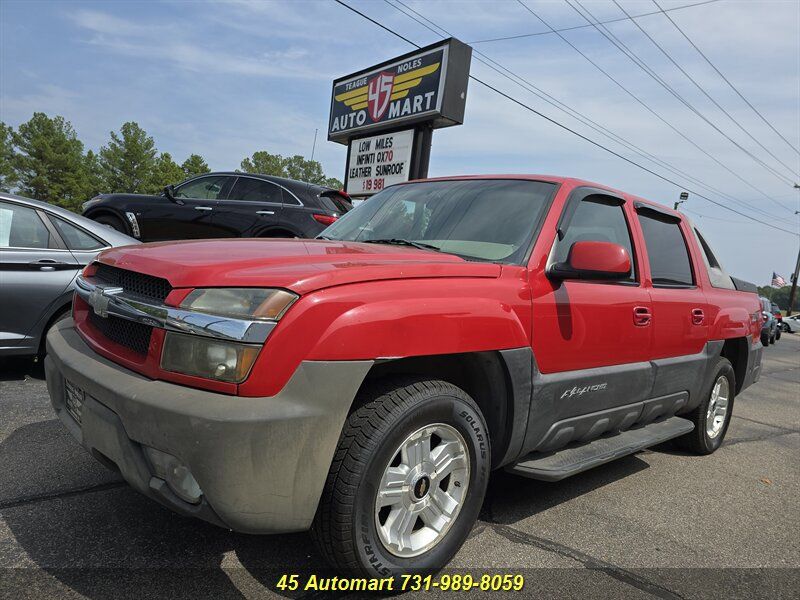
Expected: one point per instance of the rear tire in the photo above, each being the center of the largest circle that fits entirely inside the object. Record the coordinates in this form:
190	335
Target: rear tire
712	417
772	339
778	332
407	480
112	222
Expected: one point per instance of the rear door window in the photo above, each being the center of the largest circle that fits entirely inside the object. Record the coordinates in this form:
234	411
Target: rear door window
256	190
670	265
76	239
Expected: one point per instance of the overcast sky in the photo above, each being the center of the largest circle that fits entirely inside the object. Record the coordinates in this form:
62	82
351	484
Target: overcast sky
227	79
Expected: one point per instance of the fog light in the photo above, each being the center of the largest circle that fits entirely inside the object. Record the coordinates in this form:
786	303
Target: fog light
177	475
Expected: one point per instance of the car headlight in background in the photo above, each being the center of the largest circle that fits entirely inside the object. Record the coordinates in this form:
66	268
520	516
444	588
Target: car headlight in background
206	357
249	303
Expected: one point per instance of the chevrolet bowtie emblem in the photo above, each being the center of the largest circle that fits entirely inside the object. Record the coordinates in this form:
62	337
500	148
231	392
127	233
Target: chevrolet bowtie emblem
100	297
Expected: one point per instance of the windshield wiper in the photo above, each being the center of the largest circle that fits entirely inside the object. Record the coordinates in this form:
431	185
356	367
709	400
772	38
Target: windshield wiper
402	242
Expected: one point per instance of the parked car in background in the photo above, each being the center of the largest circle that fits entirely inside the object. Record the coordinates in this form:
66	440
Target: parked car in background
42	250
791	324
223	205
776	312
769	327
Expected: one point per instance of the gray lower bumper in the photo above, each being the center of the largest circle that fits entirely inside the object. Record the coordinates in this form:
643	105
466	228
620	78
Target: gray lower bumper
261	462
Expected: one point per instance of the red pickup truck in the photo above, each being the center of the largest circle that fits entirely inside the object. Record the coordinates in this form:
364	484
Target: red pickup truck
364	384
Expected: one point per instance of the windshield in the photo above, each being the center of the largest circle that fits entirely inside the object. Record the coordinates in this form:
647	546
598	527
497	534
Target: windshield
480	219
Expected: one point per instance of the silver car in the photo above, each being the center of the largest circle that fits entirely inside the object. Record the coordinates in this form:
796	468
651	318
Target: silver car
791	324
42	250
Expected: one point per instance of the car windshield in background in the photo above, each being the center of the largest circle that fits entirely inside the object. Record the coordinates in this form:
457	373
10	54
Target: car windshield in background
479	219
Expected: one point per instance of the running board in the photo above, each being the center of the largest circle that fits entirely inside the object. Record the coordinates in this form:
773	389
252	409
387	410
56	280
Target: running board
558	464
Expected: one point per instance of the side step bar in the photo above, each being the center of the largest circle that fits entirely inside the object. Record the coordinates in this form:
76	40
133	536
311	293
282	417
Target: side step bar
558	464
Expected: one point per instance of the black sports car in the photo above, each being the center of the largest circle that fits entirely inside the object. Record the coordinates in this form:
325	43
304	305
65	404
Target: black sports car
217	205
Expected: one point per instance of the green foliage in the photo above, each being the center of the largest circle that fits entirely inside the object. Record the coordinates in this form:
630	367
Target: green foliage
264	163
166	171
93	182
129	160
194	165
293	167
8	176
48	161
780	296
44	159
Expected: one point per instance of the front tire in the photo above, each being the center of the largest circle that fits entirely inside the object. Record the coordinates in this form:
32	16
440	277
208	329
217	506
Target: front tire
407	480
712	418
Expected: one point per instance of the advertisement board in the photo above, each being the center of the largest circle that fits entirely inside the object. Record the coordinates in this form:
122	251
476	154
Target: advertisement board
379	161
427	85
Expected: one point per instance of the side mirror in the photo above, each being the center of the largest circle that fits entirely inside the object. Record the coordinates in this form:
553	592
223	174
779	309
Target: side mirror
593	260
169	192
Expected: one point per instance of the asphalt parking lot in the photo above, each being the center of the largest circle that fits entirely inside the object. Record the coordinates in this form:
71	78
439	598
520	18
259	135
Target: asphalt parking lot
660	523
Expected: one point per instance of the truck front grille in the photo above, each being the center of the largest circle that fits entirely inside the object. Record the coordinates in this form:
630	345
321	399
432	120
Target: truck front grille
134	336
147	286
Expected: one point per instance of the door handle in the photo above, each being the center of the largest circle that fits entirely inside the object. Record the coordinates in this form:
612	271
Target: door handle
642	316
698	316
47	264
203	208
265	212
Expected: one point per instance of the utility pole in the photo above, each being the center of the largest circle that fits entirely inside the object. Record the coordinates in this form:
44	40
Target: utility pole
793	291
684	197
314	146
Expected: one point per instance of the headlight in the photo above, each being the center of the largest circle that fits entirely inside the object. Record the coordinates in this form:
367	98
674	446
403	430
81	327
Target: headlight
208	357
248	303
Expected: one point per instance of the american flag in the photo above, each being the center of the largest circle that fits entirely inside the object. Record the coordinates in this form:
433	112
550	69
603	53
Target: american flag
777	280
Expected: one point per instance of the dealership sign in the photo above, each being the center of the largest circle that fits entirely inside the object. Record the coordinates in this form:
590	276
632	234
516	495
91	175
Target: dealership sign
379	161
428	85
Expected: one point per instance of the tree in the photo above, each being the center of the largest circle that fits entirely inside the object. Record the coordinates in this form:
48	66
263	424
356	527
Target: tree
93	182
165	172
264	163
129	160
8	177
332	182
779	296
48	162
293	167
297	167
194	165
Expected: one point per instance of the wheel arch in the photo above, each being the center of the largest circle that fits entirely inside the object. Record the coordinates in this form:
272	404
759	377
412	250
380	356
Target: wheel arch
736	351
277	232
109	212
62	307
498	381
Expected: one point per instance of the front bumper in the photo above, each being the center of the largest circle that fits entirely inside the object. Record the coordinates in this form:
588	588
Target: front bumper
260	462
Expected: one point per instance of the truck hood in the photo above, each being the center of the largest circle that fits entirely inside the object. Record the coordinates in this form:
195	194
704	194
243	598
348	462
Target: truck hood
298	265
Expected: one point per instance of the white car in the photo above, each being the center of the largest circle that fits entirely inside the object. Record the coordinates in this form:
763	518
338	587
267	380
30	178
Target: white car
791	324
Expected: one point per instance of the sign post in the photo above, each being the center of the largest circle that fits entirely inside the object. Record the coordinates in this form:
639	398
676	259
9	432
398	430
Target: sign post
386	114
